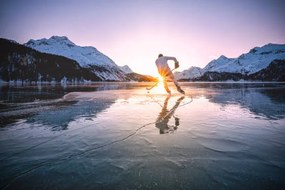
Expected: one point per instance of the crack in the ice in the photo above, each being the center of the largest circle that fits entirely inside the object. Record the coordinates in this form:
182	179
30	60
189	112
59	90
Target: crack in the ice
46	163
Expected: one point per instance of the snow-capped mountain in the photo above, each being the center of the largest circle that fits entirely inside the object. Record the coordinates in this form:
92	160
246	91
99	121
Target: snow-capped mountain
218	64
249	63
126	69
25	65
87	57
256	59
192	72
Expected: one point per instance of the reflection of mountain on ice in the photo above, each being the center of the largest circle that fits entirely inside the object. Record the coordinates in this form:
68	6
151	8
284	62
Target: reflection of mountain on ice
262	101
60	117
259	101
58	113
133	102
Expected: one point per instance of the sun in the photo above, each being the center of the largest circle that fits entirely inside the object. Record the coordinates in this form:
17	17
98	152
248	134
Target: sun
160	78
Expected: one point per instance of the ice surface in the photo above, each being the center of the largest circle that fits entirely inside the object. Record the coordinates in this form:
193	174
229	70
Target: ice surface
118	136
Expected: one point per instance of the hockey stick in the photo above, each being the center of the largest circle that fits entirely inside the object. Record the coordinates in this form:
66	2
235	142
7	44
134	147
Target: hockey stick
153	85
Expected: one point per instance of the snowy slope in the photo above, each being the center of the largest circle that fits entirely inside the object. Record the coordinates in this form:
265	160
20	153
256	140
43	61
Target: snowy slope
255	60
192	72
126	69
27	65
220	64
87	57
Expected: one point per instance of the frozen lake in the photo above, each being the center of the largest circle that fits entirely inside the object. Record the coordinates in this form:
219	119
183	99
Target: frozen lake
118	136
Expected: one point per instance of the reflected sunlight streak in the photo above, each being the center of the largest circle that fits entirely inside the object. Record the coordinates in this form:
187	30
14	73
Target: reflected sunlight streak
159	89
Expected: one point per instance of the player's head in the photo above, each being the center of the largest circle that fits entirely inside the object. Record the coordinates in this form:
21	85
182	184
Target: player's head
160	55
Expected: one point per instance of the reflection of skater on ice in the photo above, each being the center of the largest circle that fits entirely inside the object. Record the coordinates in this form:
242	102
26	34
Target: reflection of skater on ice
165	115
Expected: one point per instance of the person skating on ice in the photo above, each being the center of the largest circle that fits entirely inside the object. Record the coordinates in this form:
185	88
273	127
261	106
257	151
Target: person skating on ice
166	73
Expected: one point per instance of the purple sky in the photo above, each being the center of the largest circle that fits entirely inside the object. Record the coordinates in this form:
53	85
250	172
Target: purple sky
133	32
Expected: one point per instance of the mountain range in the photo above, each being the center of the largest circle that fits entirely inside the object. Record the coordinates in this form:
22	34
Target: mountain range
60	60
87	57
23	64
247	66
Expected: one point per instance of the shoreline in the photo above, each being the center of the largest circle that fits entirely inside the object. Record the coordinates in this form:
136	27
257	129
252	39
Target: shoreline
20	83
